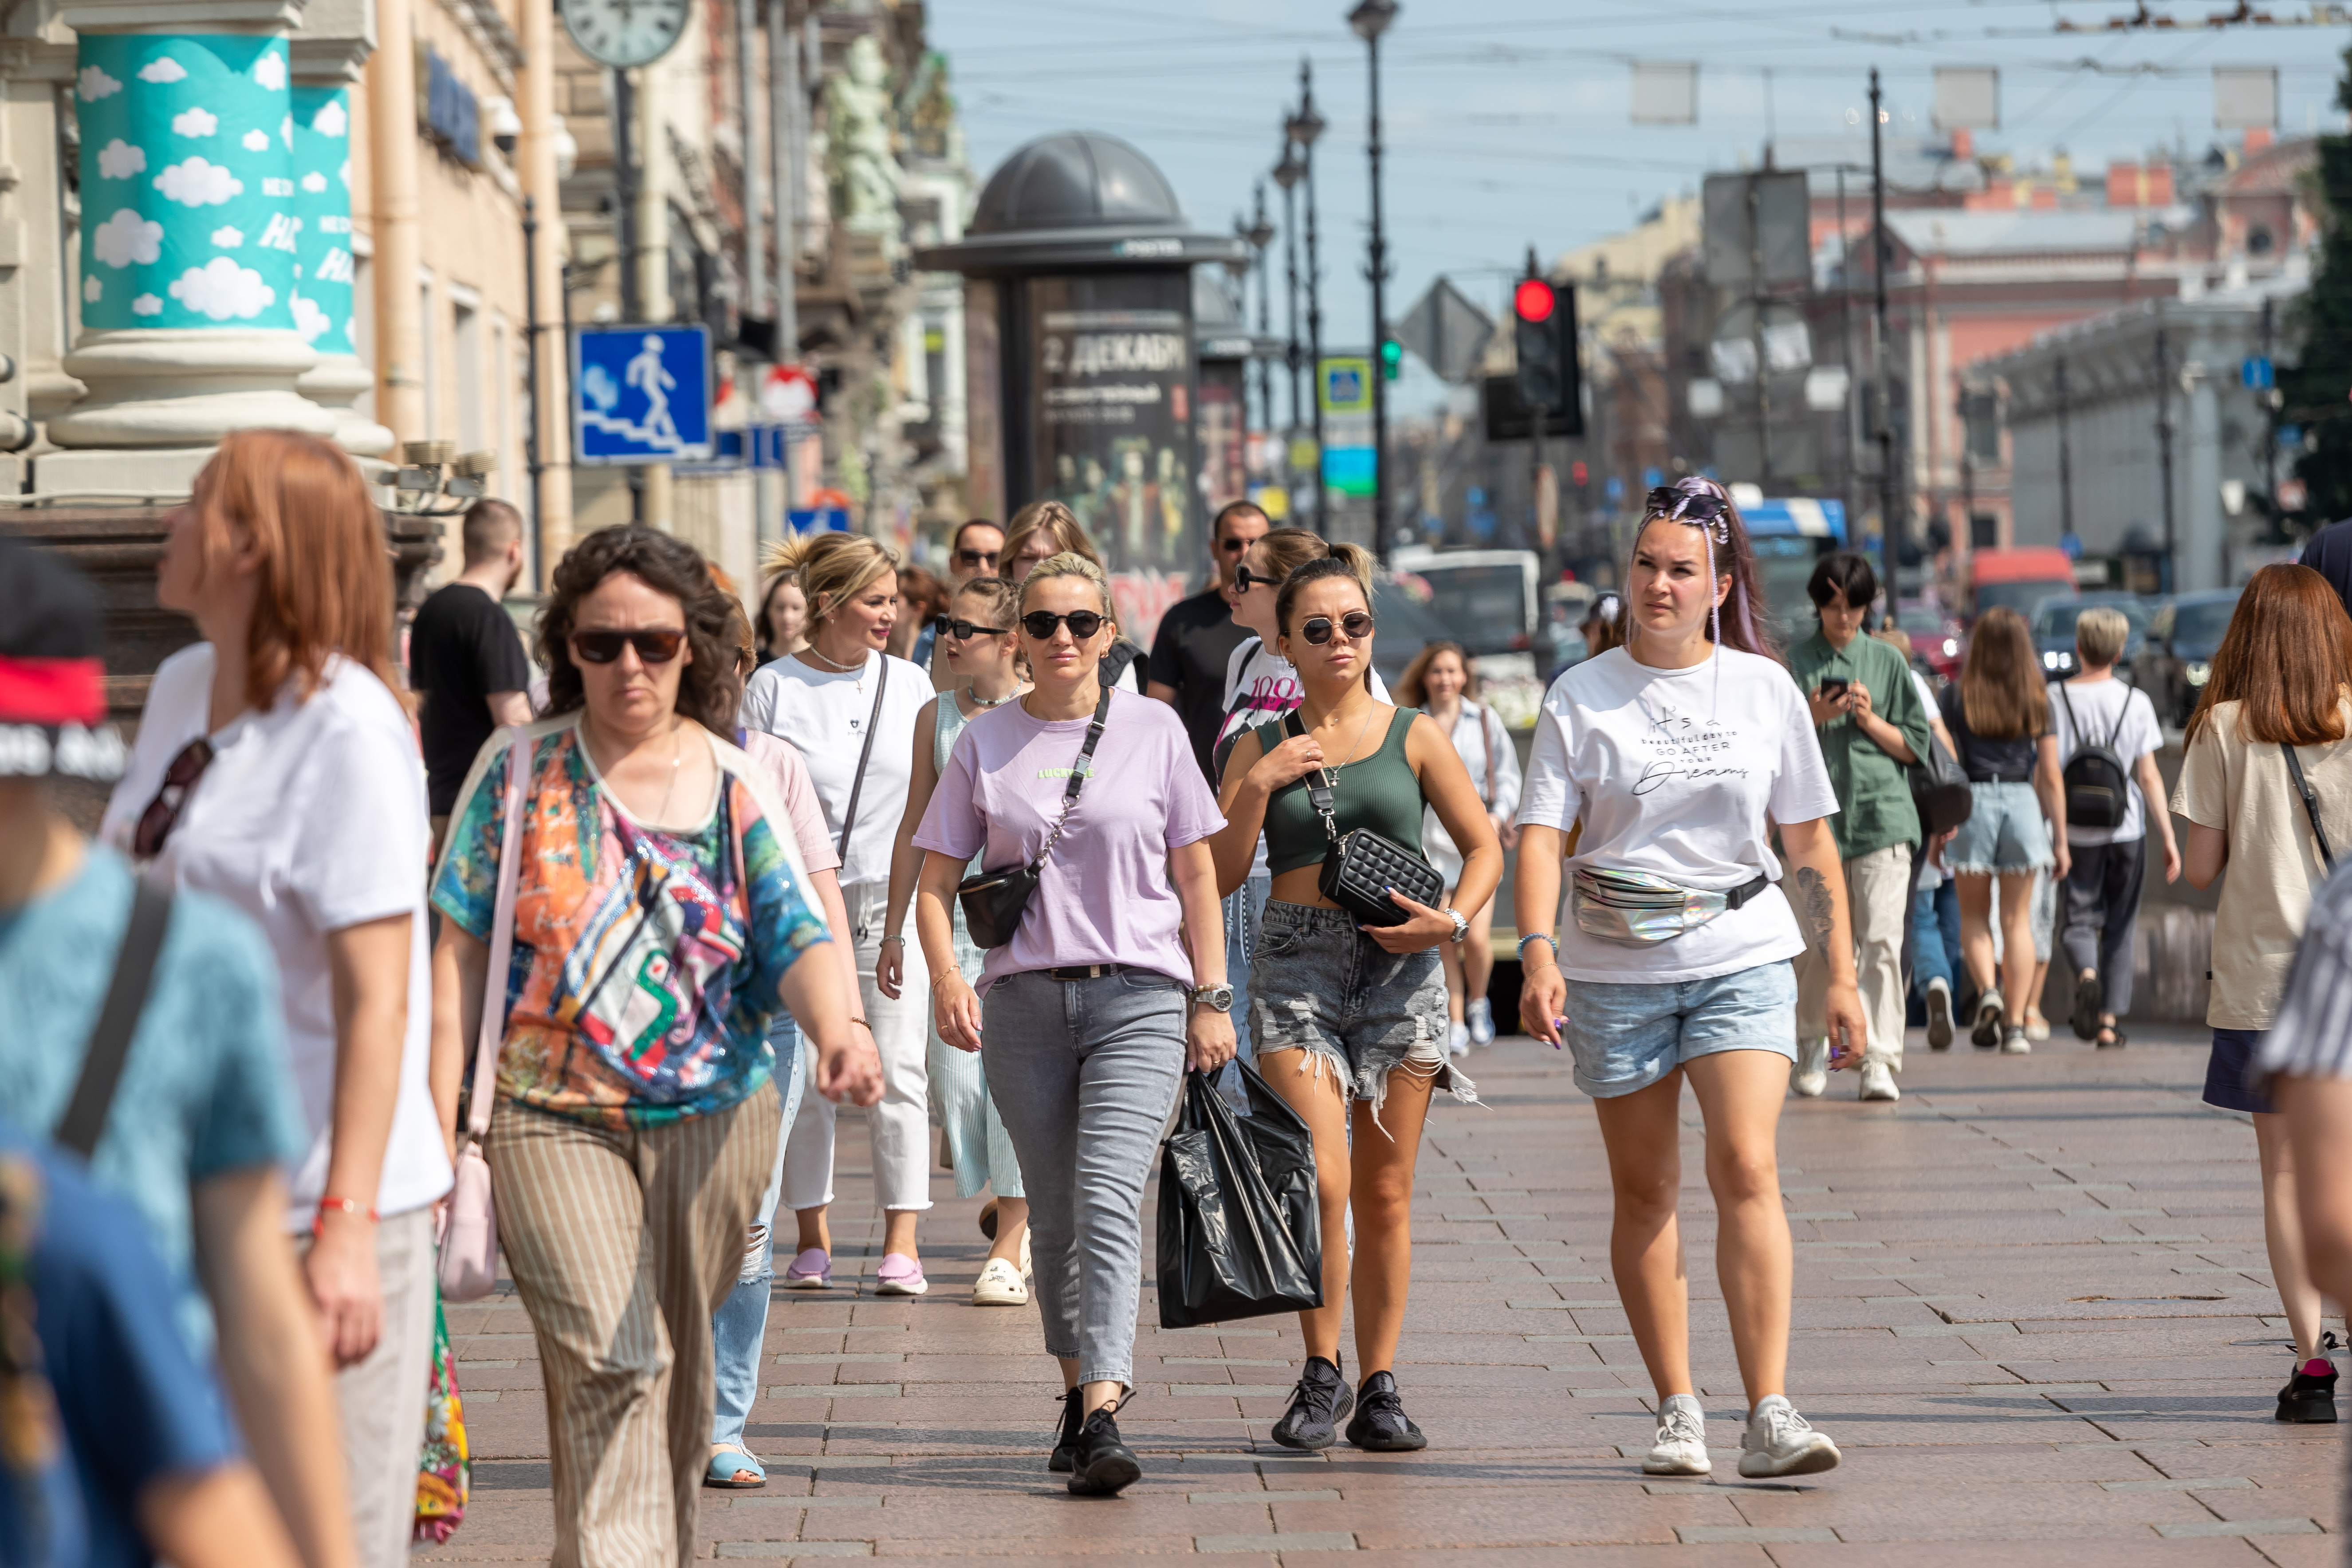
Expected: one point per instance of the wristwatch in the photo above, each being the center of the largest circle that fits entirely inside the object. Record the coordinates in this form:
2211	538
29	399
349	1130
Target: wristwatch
1461	924
1217	998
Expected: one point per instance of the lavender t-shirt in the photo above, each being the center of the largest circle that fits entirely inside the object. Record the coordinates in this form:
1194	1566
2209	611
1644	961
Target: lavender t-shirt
1104	895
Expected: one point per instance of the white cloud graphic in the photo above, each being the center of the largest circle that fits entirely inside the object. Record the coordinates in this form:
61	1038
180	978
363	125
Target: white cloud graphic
286	132
91	289
332	120
195	122
227	238
224	290
146	305
94	84
314	182
163	68
309	320
119	160
344	173
269	70
196	183
126	237
257	141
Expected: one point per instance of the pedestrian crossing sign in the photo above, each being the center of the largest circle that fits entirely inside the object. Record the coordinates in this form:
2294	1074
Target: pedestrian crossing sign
642	394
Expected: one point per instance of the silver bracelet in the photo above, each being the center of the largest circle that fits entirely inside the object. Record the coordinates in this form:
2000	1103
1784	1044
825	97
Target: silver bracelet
1542	936
899	939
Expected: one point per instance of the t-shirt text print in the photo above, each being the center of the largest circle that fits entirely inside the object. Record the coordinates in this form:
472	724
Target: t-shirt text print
1692	747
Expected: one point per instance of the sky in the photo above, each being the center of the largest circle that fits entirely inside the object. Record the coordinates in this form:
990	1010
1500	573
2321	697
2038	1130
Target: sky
1508	123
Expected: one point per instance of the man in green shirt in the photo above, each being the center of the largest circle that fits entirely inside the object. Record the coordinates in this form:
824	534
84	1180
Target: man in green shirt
1867	714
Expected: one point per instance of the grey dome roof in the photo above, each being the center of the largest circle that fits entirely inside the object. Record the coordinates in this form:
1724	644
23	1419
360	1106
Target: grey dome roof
1075	179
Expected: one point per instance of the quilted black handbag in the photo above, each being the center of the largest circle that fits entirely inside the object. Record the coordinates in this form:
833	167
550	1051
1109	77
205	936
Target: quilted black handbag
994	902
1361	867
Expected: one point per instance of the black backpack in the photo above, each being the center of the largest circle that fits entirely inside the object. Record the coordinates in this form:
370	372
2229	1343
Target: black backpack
2098	785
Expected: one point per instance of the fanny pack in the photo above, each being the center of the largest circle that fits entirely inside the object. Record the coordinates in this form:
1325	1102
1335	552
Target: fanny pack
1638	908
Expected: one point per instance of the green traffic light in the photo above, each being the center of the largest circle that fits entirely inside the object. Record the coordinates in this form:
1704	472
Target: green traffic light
1391	359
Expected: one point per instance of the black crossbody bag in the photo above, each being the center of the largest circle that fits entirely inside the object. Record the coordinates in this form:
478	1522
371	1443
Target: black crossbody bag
994	902
1359	868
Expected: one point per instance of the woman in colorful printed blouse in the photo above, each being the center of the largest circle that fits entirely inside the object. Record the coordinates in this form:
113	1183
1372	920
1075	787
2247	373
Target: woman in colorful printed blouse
659	919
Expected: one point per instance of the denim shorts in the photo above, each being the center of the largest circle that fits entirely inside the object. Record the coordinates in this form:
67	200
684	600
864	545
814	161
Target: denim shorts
1320	984
2004	832
1626	1037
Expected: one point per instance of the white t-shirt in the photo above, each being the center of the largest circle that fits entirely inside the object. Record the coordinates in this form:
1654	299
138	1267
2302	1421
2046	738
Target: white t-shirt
1932	874
1674	772
1261	685
822	716
2098	704
312	818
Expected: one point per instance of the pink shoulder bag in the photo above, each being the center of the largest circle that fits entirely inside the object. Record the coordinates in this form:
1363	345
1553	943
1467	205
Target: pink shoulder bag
468	1264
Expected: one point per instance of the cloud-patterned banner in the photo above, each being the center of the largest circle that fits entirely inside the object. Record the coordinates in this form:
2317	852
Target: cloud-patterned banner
184	156
322	201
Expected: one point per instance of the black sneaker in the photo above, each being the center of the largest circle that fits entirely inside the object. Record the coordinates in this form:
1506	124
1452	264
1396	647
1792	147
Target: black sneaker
1986	1035
1066	1442
1101	1464
1316	1405
2087	996
2309	1397
1380	1425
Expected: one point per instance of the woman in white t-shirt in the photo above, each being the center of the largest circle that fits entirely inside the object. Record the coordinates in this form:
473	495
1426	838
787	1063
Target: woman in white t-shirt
2109	863
276	768
1676	756
849	710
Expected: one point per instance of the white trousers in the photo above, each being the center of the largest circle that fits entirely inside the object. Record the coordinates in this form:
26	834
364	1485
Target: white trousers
901	1122
1877	892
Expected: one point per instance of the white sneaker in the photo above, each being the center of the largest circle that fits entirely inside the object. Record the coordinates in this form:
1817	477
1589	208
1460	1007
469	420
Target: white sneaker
1878	1079
1000	1285
1778	1442
2037	1027
1681	1447
1809	1074
1939	1015
1457	1041
2014	1041
1481	1019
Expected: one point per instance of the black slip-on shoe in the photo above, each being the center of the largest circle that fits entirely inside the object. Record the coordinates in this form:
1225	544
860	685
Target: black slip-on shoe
1380	1425
1316	1407
1986	1035
1101	1464
2309	1397
1066	1442
2087	996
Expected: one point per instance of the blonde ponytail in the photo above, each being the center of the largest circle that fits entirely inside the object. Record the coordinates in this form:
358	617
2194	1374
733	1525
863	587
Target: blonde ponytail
831	568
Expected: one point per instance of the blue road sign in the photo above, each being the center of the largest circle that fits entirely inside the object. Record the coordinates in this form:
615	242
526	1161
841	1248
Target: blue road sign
2257	374
642	394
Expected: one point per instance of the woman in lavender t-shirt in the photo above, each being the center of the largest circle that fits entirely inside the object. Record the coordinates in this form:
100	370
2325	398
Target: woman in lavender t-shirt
1094	1009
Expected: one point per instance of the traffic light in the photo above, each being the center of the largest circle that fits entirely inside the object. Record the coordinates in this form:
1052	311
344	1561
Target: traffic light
1578	474
1391	358
1544	331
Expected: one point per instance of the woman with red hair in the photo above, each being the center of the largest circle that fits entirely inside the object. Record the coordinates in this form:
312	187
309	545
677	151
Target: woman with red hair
276	768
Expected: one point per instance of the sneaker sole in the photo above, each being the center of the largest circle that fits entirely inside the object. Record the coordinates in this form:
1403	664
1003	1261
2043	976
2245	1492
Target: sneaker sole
1812	1462
1986	1035
1703	1467
1888	1094
2086	1010
808	1282
997	1299
2307	1412
1346	1403
1940	1023
1411	1445
900	1288
2021	1046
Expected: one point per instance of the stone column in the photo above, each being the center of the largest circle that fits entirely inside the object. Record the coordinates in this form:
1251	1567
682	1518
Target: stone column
188	242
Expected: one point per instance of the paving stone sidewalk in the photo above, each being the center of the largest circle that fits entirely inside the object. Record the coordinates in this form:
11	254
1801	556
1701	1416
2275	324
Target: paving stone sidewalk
2032	1307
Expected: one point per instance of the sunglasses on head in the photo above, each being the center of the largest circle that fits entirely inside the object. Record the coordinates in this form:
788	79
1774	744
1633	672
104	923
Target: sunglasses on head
963	631
1684	506
655	645
1356	626
977	557
1040	624
1243	577
163	813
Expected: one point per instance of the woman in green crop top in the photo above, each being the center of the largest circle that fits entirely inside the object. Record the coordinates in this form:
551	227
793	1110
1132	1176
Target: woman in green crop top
1363	1007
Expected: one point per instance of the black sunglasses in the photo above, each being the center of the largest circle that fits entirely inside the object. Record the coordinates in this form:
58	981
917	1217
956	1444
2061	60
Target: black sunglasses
977	557
964	630
1040	624
655	645
1684	506
1232	546
163	813
1356	624
1243	577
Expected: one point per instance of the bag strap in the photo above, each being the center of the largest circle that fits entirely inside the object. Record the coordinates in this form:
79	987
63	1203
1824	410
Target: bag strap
2122	713
1078	775
1320	793
857	785
493	1030
2073	725
2310	804
118	1018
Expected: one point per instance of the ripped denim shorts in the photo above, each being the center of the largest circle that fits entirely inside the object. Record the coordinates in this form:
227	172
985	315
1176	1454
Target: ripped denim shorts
1319	984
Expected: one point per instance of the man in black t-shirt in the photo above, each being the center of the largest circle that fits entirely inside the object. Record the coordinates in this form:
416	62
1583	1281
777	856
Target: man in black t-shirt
466	658
1197	637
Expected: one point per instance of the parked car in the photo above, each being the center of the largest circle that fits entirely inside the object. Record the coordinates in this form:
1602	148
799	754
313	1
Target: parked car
1937	640
2053	631
2181	641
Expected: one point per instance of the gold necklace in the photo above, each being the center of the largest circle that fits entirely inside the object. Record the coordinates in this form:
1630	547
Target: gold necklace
677	755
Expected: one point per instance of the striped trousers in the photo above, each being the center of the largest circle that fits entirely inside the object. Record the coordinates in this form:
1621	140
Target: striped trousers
622	1241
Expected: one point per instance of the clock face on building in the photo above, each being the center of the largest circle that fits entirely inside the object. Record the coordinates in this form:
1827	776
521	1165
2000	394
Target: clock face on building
624	33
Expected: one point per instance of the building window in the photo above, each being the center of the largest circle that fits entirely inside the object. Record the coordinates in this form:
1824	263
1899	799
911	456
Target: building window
465	340
428	357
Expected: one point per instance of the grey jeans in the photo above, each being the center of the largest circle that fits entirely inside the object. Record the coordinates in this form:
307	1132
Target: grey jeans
1083	1073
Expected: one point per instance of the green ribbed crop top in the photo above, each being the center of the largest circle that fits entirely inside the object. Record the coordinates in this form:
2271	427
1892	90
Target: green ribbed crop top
1378	791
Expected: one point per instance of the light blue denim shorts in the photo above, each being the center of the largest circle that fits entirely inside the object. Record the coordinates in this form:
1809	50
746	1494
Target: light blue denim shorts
2004	832
1626	1037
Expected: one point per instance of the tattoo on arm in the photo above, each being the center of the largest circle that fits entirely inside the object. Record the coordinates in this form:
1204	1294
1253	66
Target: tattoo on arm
1819	914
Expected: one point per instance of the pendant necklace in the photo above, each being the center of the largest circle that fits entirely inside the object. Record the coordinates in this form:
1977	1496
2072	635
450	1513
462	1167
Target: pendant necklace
858	670
677	755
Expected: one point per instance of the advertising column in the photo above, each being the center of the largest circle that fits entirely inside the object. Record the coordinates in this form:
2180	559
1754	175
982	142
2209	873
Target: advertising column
324	276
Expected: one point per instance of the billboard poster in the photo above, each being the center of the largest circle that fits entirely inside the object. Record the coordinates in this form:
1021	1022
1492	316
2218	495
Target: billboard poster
1224	444
1113	422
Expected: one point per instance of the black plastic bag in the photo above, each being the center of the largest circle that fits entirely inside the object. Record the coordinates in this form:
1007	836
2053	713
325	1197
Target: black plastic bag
1240	1232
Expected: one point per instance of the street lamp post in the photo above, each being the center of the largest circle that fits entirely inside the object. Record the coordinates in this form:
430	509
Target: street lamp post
1371	18
1879	371
1260	234
1304	128
1287	173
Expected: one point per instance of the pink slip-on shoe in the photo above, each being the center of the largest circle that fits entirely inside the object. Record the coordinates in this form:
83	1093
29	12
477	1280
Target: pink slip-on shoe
812	1270
899	1275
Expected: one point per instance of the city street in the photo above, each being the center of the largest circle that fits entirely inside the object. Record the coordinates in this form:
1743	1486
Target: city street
2031	1308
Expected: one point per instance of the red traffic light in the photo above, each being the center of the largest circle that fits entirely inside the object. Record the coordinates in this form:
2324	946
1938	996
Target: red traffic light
1576	472
1532	300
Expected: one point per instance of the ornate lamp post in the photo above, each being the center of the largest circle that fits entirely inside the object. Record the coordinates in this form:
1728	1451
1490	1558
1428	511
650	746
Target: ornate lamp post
1369	19
1304	128
1260	234
1287	173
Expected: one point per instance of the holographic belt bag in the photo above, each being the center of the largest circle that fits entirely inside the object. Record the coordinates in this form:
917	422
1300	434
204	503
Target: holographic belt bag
1638	908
